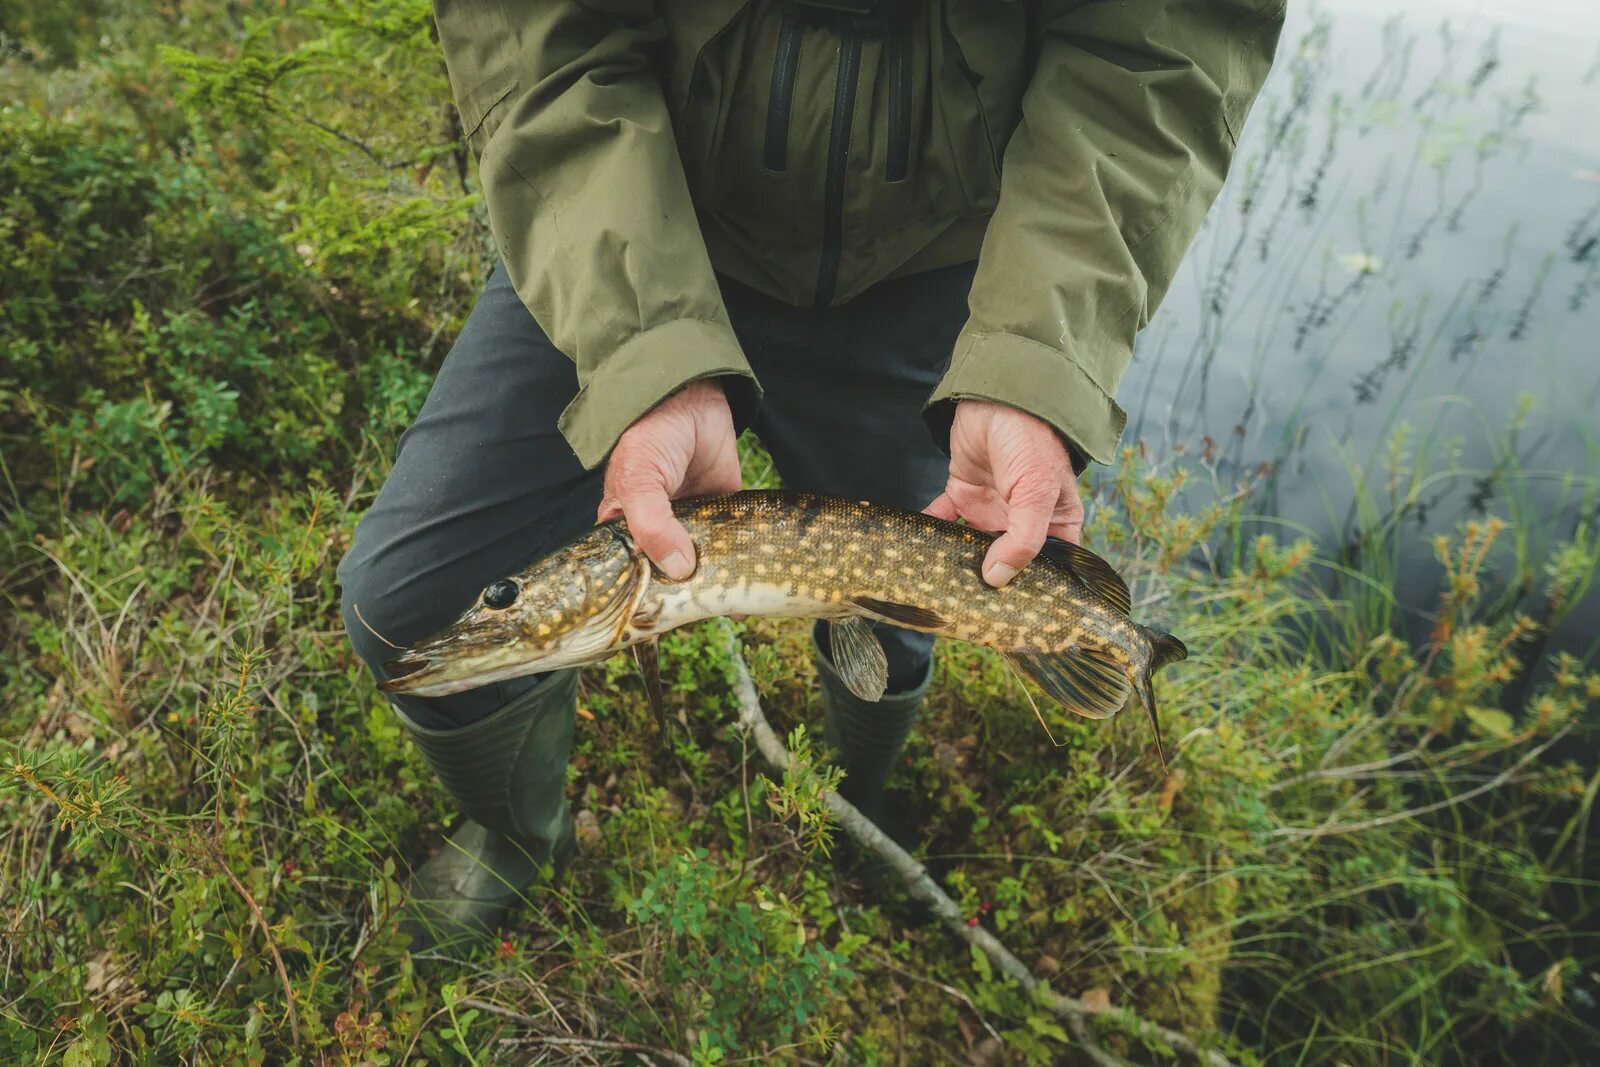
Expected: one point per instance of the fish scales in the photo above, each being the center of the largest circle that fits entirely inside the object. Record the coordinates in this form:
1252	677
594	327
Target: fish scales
1063	621
753	542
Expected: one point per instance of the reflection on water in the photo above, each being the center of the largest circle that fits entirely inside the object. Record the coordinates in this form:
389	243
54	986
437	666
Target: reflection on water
1396	302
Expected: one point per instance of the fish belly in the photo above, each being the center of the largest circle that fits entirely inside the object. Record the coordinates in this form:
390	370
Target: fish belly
695	602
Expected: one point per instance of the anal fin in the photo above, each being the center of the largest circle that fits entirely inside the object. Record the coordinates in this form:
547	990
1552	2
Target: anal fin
859	658
1085	681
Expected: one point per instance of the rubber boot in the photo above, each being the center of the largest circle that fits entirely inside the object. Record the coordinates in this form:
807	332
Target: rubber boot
866	737
508	775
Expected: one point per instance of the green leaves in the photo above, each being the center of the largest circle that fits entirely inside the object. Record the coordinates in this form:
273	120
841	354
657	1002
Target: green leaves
1491	722
745	967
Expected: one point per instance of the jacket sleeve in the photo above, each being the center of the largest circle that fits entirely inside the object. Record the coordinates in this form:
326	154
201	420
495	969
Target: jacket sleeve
588	202
1127	130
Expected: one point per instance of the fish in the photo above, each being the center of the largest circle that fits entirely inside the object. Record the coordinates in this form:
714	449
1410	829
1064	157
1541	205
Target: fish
1063	622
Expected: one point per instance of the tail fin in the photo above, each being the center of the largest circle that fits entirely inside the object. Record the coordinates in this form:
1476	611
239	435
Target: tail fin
1164	649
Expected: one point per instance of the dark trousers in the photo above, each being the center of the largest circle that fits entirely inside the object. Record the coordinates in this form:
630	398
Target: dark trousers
484	483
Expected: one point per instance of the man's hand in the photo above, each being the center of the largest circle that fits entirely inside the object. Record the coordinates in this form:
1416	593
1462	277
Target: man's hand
683	446
1009	471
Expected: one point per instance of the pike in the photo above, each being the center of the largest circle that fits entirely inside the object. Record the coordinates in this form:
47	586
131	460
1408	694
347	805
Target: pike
1063	621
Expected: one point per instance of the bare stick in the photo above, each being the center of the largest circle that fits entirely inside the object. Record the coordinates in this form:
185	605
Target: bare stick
266	933
1071	1010
568	1040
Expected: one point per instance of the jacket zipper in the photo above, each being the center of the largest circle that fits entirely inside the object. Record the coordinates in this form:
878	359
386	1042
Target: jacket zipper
785	67
899	107
844	106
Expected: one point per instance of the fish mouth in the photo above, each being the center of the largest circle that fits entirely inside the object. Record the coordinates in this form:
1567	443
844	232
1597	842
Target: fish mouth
411	674
399	670
480	650
440	669
422	673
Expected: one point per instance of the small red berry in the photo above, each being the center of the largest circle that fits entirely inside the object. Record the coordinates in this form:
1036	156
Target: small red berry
972	920
985	907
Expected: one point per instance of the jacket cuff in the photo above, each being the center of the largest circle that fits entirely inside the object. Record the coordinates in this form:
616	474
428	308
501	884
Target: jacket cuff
1029	376
646	370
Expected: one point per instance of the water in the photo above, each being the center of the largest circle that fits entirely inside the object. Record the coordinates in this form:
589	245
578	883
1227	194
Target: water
1402	276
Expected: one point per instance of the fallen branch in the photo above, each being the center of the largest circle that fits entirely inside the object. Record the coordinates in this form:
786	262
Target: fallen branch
1072	1011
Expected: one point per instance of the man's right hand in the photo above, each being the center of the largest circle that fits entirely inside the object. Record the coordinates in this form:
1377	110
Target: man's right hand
684	446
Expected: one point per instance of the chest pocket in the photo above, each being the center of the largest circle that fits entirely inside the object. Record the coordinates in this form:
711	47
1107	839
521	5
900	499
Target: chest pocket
989	54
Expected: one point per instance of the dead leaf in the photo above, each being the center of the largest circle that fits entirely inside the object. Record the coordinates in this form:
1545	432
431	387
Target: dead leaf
586	828
1552	983
100	973
1096	1001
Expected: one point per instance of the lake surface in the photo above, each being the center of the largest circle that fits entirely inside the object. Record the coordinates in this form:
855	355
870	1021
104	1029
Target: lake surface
1395	303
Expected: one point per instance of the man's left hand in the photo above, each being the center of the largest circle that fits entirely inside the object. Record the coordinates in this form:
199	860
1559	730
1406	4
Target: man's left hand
1009	471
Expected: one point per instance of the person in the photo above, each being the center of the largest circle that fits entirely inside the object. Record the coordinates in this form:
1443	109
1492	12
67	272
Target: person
908	242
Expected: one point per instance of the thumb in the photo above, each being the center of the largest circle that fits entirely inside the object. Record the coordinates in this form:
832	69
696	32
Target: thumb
657	531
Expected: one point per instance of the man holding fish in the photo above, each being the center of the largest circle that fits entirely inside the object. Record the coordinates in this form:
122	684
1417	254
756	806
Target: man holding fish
908	242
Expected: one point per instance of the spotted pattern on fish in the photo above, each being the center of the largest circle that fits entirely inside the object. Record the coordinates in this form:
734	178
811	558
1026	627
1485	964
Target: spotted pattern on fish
1064	620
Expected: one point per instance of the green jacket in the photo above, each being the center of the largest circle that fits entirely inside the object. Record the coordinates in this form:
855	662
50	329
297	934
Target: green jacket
629	149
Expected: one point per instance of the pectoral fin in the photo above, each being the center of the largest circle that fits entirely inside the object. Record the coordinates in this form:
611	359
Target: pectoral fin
647	656
902	614
1085	681
859	658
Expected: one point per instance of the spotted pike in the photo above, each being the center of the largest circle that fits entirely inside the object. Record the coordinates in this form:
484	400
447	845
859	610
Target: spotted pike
1063	621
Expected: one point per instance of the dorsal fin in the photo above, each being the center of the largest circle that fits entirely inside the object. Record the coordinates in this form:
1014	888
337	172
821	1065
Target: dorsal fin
1095	573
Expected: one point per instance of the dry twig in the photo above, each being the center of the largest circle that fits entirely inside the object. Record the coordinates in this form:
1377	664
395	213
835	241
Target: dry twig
568	1040
1071	1011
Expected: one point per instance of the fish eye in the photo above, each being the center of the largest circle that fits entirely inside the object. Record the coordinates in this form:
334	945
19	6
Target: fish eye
501	593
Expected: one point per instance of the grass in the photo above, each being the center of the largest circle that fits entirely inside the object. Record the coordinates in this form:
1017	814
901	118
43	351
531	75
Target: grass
1373	848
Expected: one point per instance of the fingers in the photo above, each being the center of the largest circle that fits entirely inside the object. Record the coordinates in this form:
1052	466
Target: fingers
943	508
1067	523
638	489
1032	503
657	531
683	446
721	473
1070	528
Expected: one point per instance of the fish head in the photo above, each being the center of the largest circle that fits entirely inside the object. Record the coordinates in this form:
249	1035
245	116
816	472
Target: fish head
568	608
